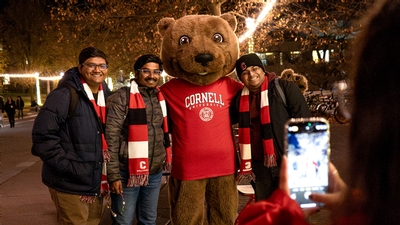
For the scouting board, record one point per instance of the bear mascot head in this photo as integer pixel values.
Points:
(300, 80)
(199, 48)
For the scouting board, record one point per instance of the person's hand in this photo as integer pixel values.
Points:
(116, 187)
(337, 190)
(284, 185)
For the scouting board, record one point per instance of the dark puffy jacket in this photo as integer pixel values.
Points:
(10, 108)
(117, 136)
(70, 148)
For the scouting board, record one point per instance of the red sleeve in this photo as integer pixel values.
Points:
(278, 209)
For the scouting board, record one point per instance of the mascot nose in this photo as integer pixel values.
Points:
(203, 59)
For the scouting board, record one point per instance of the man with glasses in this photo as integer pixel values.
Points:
(138, 140)
(262, 109)
(68, 135)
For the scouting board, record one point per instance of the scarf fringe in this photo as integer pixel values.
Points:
(138, 180)
(246, 177)
(87, 199)
(104, 193)
(270, 161)
(106, 156)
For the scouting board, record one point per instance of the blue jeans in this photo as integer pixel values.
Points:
(142, 200)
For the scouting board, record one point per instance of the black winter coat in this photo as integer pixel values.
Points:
(70, 148)
(10, 108)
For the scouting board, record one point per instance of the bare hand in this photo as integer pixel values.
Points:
(116, 187)
(337, 190)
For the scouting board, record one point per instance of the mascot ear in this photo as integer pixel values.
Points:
(287, 74)
(231, 20)
(163, 24)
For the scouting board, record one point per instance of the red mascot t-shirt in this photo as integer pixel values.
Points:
(202, 142)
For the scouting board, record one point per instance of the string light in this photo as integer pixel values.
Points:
(252, 27)
(33, 75)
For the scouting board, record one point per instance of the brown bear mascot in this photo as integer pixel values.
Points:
(300, 80)
(199, 51)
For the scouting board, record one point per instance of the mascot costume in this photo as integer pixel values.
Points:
(300, 80)
(199, 51)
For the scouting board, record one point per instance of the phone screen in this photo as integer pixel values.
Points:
(307, 145)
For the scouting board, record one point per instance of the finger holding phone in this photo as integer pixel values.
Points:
(337, 190)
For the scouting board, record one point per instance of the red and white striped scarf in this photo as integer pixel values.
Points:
(138, 137)
(100, 108)
(244, 131)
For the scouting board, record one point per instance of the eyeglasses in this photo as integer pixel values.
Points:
(253, 69)
(147, 72)
(93, 66)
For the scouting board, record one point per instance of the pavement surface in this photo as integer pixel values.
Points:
(24, 199)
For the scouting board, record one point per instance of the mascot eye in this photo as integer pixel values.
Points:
(218, 38)
(184, 40)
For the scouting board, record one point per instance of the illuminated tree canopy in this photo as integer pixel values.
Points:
(52, 32)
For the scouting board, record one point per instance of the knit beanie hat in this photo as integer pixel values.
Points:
(248, 60)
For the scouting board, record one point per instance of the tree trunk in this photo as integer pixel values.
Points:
(31, 92)
(215, 6)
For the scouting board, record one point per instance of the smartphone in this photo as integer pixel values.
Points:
(307, 148)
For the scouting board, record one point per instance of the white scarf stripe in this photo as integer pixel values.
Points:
(88, 91)
(133, 147)
(100, 95)
(245, 152)
(163, 108)
(100, 100)
(104, 173)
(264, 99)
(245, 91)
(134, 88)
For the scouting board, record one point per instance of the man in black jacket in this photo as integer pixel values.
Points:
(72, 144)
(262, 109)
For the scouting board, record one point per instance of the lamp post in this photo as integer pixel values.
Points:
(39, 100)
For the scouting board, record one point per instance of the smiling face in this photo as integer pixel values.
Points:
(252, 78)
(149, 75)
(92, 72)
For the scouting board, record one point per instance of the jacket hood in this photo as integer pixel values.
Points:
(71, 77)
